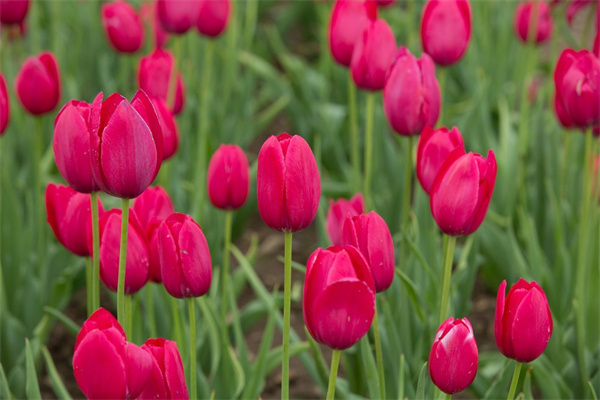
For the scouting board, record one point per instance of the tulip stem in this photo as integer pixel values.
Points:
(122, 265)
(355, 155)
(287, 288)
(406, 195)
(369, 149)
(128, 317)
(335, 362)
(515, 380)
(448, 257)
(150, 310)
(379, 353)
(192, 348)
(88, 283)
(225, 270)
(442, 82)
(250, 24)
(37, 182)
(95, 252)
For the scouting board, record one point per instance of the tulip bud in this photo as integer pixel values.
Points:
(13, 11)
(446, 29)
(105, 365)
(288, 186)
(4, 105)
(38, 84)
(370, 234)
(577, 84)
(523, 323)
(69, 215)
(338, 212)
(453, 358)
(524, 21)
(434, 146)
(177, 16)
(461, 192)
(154, 78)
(411, 95)
(122, 26)
(150, 18)
(167, 380)
(228, 178)
(168, 125)
(126, 143)
(373, 53)
(339, 296)
(213, 17)
(348, 20)
(186, 267)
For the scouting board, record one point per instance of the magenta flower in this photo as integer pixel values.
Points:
(338, 212)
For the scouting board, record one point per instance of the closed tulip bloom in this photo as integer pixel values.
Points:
(373, 53)
(122, 26)
(69, 216)
(213, 17)
(339, 296)
(167, 380)
(288, 186)
(577, 84)
(126, 143)
(446, 29)
(338, 212)
(370, 234)
(411, 95)
(454, 357)
(154, 78)
(524, 21)
(38, 84)
(177, 16)
(434, 146)
(4, 105)
(105, 365)
(523, 322)
(150, 17)
(228, 177)
(186, 267)
(168, 125)
(347, 21)
(461, 192)
(13, 11)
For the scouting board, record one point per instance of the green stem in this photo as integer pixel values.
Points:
(401, 379)
(176, 321)
(448, 256)
(122, 262)
(355, 155)
(287, 288)
(192, 348)
(95, 252)
(37, 192)
(88, 283)
(368, 149)
(128, 317)
(442, 81)
(150, 310)
(172, 89)
(406, 196)
(335, 362)
(251, 16)
(565, 164)
(225, 270)
(515, 380)
(379, 354)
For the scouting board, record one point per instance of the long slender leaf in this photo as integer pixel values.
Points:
(57, 384)
(422, 382)
(32, 388)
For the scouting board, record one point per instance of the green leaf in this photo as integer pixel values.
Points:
(4, 389)
(422, 382)
(66, 321)
(370, 367)
(32, 389)
(527, 395)
(275, 355)
(412, 291)
(213, 333)
(59, 388)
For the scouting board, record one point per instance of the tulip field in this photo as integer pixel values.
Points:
(351, 199)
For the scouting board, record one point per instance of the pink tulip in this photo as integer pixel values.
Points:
(167, 380)
(228, 178)
(348, 19)
(13, 11)
(370, 234)
(454, 357)
(38, 84)
(213, 17)
(150, 17)
(177, 16)
(524, 21)
(373, 53)
(338, 212)
(384, 3)
(122, 26)
(411, 95)
(596, 46)
(288, 186)
(170, 132)
(446, 29)
(523, 322)
(461, 192)
(4, 105)
(339, 296)
(154, 77)
(434, 146)
(575, 6)
(186, 267)
(105, 365)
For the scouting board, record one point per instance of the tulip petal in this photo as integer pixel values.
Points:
(169, 261)
(194, 254)
(531, 327)
(499, 315)
(270, 183)
(139, 367)
(174, 373)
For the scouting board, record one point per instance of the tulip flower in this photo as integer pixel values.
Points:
(433, 148)
(384, 3)
(453, 358)
(38, 84)
(167, 380)
(154, 77)
(338, 212)
(178, 16)
(446, 30)
(596, 46)
(348, 19)
(373, 53)
(575, 6)
(150, 17)
(69, 216)
(105, 365)
(524, 21)
(4, 105)
(122, 26)
(13, 11)
(126, 143)
(213, 17)
(411, 95)
(228, 178)
(170, 132)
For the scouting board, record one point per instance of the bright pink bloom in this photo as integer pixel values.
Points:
(338, 212)
(13, 11)
(524, 21)
(213, 17)
(339, 296)
(4, 105)
(150, 17)
(574, 6)
(348, 19)
(596, 46)
(122, 26)
(38, 84)
(384, 3)
(288, 186)
(454, 357)
(228, 177)
(177, 16)
(523, 322)
(170, 132)
(446, 29)
(167, 380)
(154, 77)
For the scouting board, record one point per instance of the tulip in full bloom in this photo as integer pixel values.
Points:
(4, 105)
(348, 20)
(446, 29)
(167, 380)
(434, 146)
(411, 95)
(228, 177)
(105, 365)
(338, 212)
(13, 11)
(122, 26)
(178, 16)
(168, 125)
(288, 186)
(213, 17)
(38, 84)
(454, 357)
(523, 322)
(524, 21)
(339, 296)
(154, 77)
(186, 267)
(461, 192)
